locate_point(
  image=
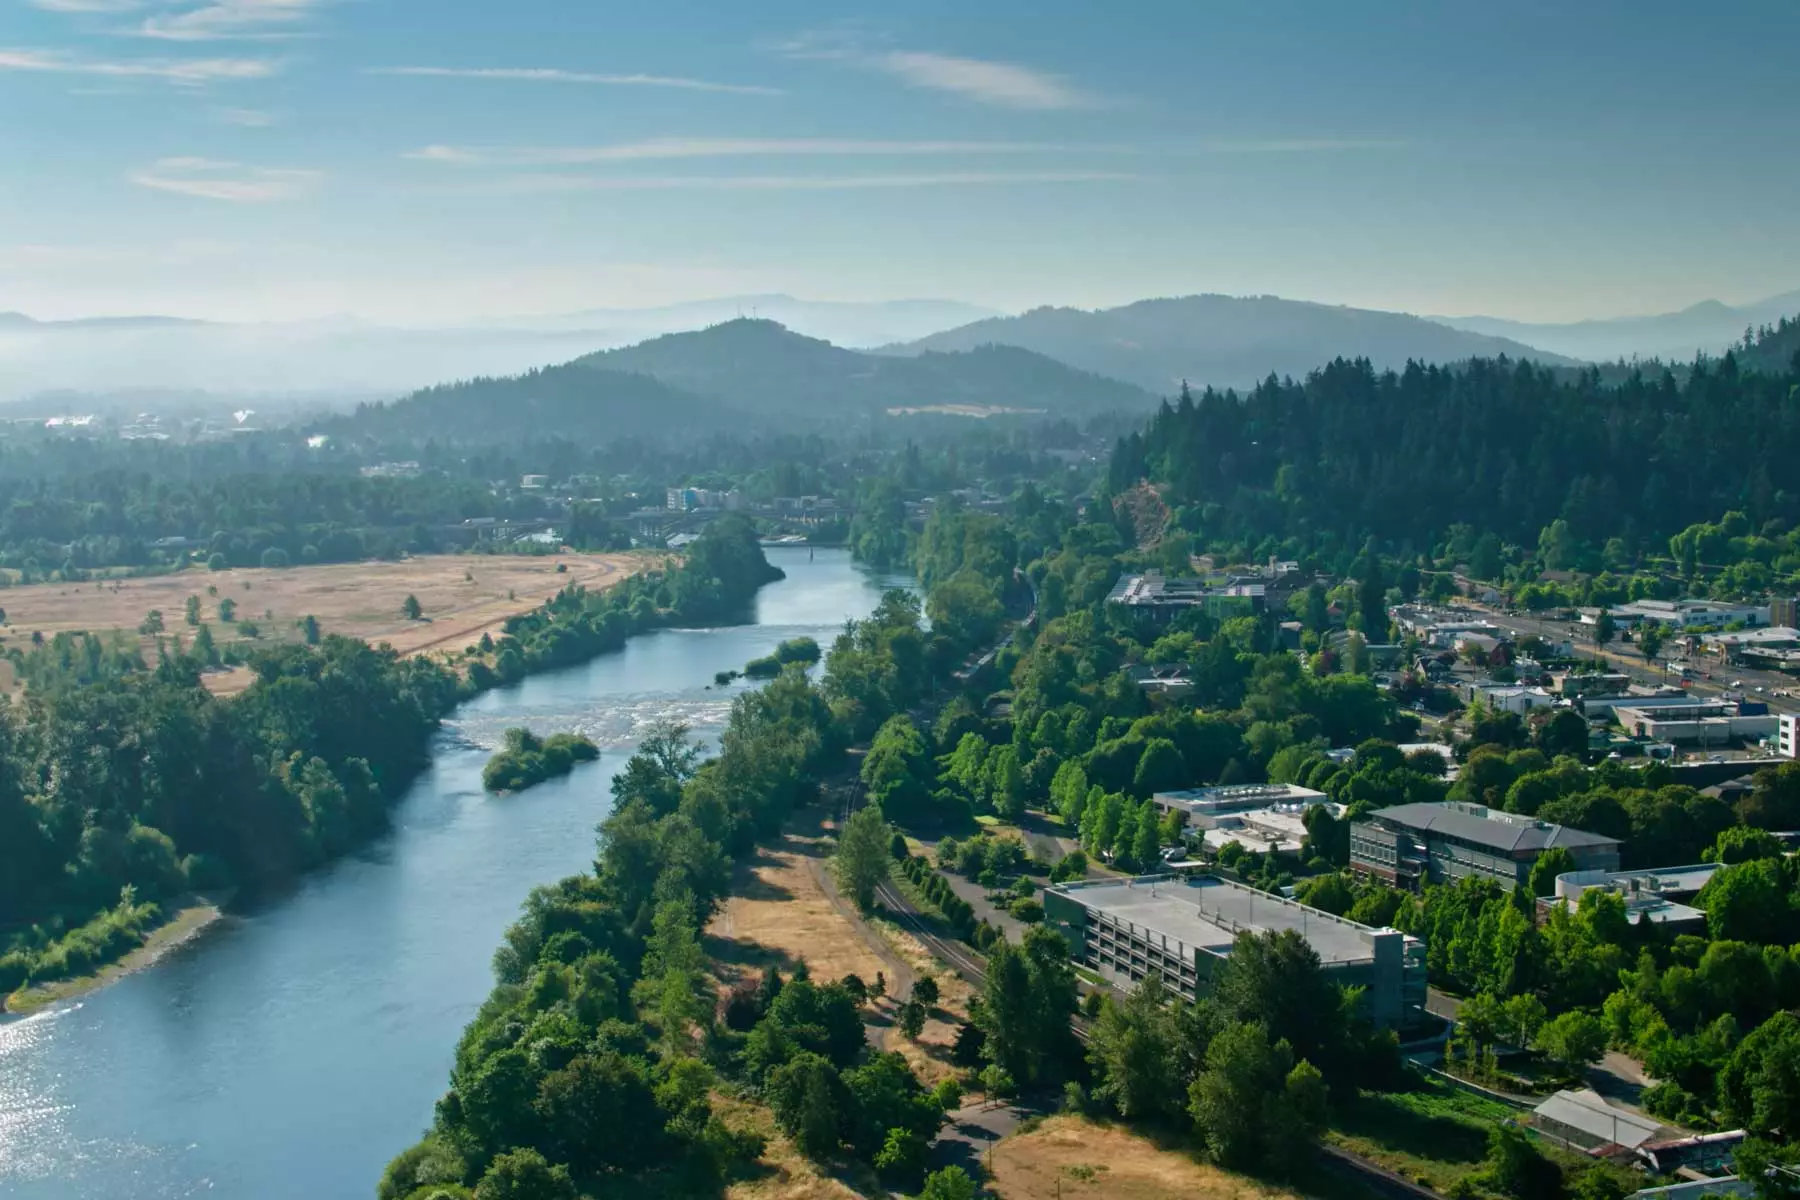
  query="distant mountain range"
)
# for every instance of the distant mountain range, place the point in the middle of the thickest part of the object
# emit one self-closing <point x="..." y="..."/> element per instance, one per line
<point x="746" y="376"/>
<point x="342" y="359"/>
<point x="1223" y="340"/>
<point x="1675" y="337"/>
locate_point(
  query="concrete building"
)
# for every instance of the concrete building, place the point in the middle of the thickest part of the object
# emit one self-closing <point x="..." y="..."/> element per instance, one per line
<point x="1154" y="597"/>
<point x="1655" y="895"/>
<point x="1787" y="735"/>
<point x="1785" y="610"/>
<point x="1409" y="845"/>
<point x="1182" y="931"/>
<point x="1712" y="723"/>
<point x="1200" y="805"/>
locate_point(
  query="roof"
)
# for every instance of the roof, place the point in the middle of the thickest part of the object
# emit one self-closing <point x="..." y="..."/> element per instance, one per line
<point x="1511" y="836"/>
<point x="1207" y="913"/>
<point x="1694" y="1189"/>
<point x="1586" y="1111"/>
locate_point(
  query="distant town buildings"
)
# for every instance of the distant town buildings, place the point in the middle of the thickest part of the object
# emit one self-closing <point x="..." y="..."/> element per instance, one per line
<point x="1680" y="614"/>
<point x="1182" y="930"/>
<point x="690" y="499"/>
<point x="1409" y="845"/>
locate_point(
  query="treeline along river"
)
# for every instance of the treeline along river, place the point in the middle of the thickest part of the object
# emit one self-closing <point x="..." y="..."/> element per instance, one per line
<point x="292" y="1050"/>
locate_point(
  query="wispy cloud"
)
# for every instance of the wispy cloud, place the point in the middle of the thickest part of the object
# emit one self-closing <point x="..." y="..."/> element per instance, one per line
<point x="230" y="19"/>
<point x="684" y="148"/>
<point x="87" y="6"/>
<point x="236" y="183"/>
<point x="797" y="183"/>
<point x="559" y="75"/>
<point x="985" y="81"/>
<point x="1005" y="85"/>
<point x="1299" y="145"/>
<point x="245" y="118"/>
<point x="188" y="71"/>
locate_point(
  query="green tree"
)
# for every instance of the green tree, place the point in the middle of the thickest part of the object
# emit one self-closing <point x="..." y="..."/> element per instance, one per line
<point x="1605" y="628"/>
<point x="152" y="623"/>
<point x="410" y="609"/>
<point x="309" y="629"/>
<point x="911" y="1018"/>
<point x="1741" y="843"/>
<point x="191" y="607"/>
<point x="1759" y="1089"/>
<point x="1238" y="1101"/>
<point x="811" y="1103"/>
<point x="1068" y="792"/>
<point x="525" y="1175"/>
<point x="861" y="862"/>
<point x="1650" y="640"/>
<point x="1553" y="862"/>
<point x="1028" y="997"/>
<point x="228" y="610"/>
<point x="1135" y="1050"/>
<point x="951" y="1183"/>
<point x="1572" y="1040"/>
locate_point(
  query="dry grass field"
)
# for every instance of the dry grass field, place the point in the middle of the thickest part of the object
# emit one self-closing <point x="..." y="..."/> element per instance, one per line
<point x="1071" y="1158"/>
<point x="462" y="596"/>
<point x="780" y="913"/>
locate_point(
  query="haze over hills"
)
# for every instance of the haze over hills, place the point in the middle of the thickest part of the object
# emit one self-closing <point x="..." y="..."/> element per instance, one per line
<point x="749" y="375"/>
<point x="763" y="368"/>
<point x="1223" y="340"/>
<point x="342" y="360"/>
<point x="843" y="323"/>
<point x="1676" y="337"/>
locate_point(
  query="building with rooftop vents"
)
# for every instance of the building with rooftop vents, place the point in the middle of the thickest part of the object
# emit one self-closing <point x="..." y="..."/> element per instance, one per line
<point x="1409" y="845"/>
<point x="1182" y="931"/>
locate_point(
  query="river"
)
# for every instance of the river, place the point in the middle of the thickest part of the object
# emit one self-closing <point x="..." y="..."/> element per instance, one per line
<point x="290" y="1052"/>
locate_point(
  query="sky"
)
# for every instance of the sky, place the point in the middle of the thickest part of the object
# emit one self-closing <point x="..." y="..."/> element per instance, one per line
<point x="434" y="161"/>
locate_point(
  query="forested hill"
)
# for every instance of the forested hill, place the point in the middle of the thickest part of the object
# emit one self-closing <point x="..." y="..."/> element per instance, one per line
<point x="1776" y="349"/>
<point x="1507" y="448"/>
<point x="769" y="371"/>
<point x="1224" y="341"/>
<point x="574" y="401"/>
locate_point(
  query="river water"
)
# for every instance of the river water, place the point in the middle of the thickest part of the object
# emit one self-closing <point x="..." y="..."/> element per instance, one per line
<point x="292" y="1051"/>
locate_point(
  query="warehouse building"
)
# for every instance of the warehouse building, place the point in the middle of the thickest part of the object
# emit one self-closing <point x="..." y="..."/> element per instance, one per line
<point x="1182" y="930"/>
<point x="1409" y="845"/>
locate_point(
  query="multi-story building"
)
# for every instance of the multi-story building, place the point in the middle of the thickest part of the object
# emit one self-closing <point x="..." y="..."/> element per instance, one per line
<point x="1257" y="816"/>
<point x="1787" y="736"/>
<point x="1182" y="930"/>
<point x="1154" y="597"/>
<point x="1409" y="845"/>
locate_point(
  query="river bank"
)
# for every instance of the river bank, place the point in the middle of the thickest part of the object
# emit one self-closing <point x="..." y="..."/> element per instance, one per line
<point x="326" y="1016"/>
<point x="188" y="916"/>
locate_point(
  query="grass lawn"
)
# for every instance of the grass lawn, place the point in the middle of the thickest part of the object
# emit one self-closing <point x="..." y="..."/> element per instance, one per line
<point x="1436" y="1133"/>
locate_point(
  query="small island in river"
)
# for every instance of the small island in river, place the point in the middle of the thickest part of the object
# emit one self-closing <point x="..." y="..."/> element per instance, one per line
<point x="525" y="759"/>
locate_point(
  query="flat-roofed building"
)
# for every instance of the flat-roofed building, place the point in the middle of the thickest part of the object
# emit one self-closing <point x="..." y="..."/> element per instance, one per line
<point x="1787" y="736"/>
<point x="1409" y="845"/>
<point x="1200" y="803"/>
<point x="1653" y="895"/>
<point x="1713" y="723"/>
<point x="1182" y="930"/>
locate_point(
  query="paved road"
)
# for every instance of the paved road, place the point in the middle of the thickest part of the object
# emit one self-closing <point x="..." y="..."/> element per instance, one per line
<point x="1627" y="659"/>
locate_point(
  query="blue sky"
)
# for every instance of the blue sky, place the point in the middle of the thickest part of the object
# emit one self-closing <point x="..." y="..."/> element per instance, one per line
<point x="441" y="160"/>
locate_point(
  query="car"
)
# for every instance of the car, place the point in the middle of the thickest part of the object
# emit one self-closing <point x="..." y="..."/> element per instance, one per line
<point x="1737" y="683"/>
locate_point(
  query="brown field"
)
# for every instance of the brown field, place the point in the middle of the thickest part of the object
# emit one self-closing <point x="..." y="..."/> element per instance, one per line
<point x="783" y="1173"/>
<point x="1070" y="1158"/>
<point x="779" y="912"/>
<point x="462" y="595"/>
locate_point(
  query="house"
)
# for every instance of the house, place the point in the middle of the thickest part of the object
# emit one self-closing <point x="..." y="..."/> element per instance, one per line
<point x="1508" y="697"/>
<point x="1182" y="930"/>
<point x="1409" y="845"/>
